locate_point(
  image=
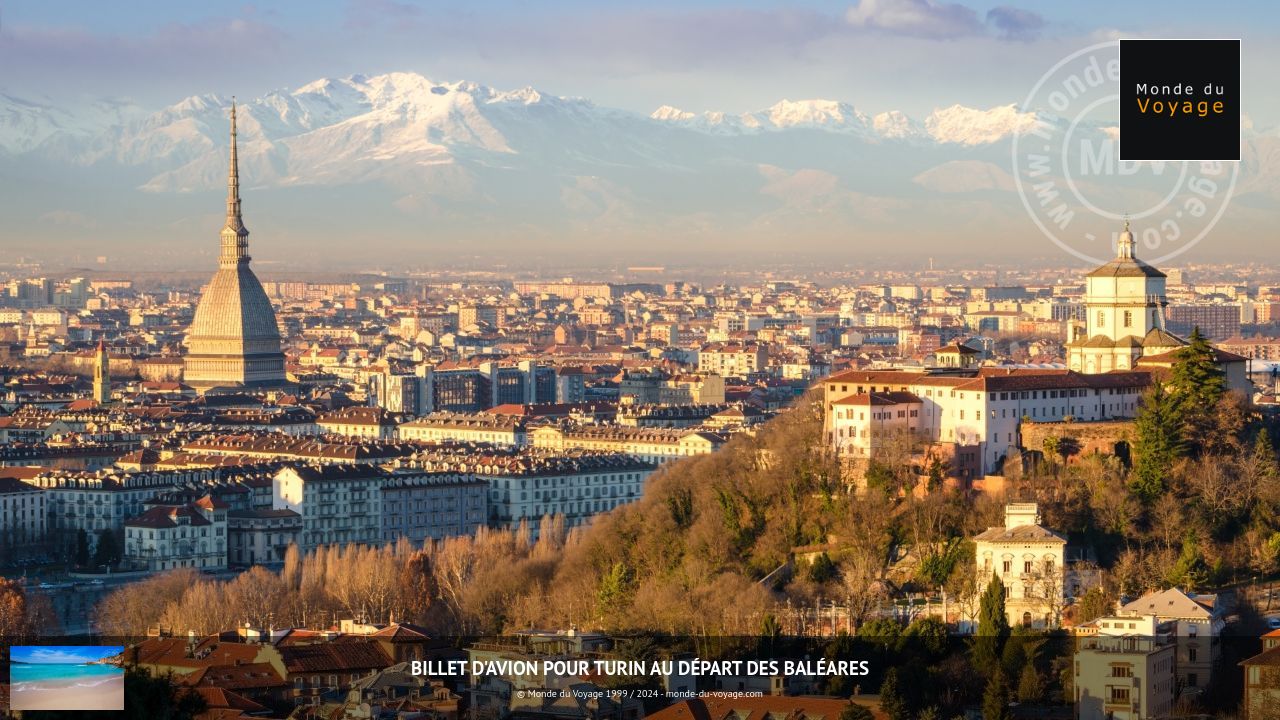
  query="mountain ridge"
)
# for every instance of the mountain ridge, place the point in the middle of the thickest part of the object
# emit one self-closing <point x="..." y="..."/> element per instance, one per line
<point x="406" y="161"/>
<point x="409" y="113"/>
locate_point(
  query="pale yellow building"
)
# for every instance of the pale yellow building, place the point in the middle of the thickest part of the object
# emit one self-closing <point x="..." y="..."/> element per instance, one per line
<point x="1029" y="559"/>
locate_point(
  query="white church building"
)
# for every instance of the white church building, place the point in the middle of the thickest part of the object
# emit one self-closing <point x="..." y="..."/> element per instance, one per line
<point x="972" y="416"/>
<point x="1124" y="315"/>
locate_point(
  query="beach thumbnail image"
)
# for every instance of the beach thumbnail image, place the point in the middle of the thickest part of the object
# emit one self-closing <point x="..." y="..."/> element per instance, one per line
<point x="65" y="677"/>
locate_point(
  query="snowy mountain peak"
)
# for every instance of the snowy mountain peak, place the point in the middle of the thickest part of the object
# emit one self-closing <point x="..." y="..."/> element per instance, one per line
<point x="969" y="126"/>
<point x="815" y="113"/>
<point x="199" y="104"/>
<point x="953" y="125"/>
<point x="895" y="125"/>
<point x="668" y="113"/>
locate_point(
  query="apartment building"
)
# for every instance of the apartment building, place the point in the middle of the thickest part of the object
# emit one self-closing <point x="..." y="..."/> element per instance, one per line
<point x="261" y="535"/>
<point x="339" y="504"/>
<point x="576" y="486"/>
<point x="23" y="514"/>
<point x="178" y="534"/>
<point x="374" y="423"/>
<point x="649" y="444"/>
<point x="1197" y="622"/>
<point x="733" y="359"/>
<point x="1262" y="680"/>
<point x="424" y="506"/>
<point x="507" y="430"/>
<point x="1125" y="671"/>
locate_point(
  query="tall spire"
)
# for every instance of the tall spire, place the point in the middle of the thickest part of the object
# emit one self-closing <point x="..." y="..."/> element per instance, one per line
<point x="235" y="236"/>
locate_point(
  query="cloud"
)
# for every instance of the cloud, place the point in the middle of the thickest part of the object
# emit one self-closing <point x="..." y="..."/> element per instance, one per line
<point x="1013" y="23"/>
<point x="55" y="656"/>
<point x="917" y="18"/>
<point x="173" y="56"/>
<point x="66" y="654"/>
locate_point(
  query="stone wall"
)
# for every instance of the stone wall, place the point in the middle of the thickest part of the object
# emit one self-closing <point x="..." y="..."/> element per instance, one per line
<point x="1111" y="437"/>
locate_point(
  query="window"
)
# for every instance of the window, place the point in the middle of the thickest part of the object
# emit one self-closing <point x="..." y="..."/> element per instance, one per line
<point x="1008" y="565"/>
<point x="1119" y="694"/>
<point x="1122" y="671"/>
<point x="1102" y="317"/>
<point x="1026" y="567"/>
<point x="1128" y="318"/>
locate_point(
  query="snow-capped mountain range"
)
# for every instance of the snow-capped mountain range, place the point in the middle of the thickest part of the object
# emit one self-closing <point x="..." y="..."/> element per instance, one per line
<point x="440" y="160"/>
<point x="356" y="128"/>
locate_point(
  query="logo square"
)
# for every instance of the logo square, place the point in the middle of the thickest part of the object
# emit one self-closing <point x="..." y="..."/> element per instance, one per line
<point x="1180" y="100"/>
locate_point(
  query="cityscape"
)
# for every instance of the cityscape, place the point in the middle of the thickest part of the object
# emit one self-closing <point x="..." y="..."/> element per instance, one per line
<point x="512" y="473"/>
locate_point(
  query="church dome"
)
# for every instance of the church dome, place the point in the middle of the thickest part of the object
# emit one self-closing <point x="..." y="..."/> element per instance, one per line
<point x="1125" y="263"/>
<point x="234" y="308"/>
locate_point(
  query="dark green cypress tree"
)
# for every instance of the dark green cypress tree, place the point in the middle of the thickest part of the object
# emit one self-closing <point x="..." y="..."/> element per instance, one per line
<point x="1196" y="377"/>
<point x="893" y="701"/>
<point x="1160" y="442"/>
<point x="995" y="699"/>
<point x="1197" y="384"/>
<point x="993" y="626"/>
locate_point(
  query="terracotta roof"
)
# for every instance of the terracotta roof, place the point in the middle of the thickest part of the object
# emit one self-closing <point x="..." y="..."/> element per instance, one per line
<point x="146" y="456"/>
<point x="1269" y="657"/>
<point x="217" y="698"/>
<point x="1219" y="356"/>
<point x="208" y="502"/>
<point x="166" y="517"/>
<point x="880" y="398"/>
<point x="1173" y="603"/>
<point x="403" y="632"/>
<point x="244" y="676"/>
<point x="327" y="657"/>
<point x="995" y="379"/>
<point x="210" y="651"/>
<point x="1018" y="534"/>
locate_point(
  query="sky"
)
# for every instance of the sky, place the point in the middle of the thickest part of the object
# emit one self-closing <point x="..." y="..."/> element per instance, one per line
<point x="909" y="55"/>
<point x="913" y="56"/>
<point x="62" y="654"/>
